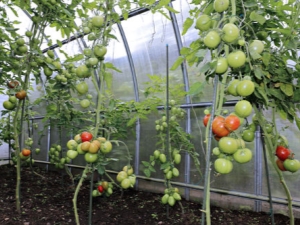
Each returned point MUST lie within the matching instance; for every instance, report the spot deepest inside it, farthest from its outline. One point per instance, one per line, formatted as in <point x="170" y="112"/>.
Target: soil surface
<point x="47" y="200"/>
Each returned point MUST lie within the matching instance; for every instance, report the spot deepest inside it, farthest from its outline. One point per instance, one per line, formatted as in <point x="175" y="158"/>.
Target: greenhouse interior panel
<point x="149" y="112"/>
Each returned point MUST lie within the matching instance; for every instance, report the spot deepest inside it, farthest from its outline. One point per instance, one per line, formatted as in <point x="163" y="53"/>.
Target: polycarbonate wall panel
<point x="147" y="36"/>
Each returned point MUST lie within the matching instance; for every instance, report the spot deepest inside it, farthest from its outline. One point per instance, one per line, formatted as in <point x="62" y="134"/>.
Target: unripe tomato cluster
<point x="86" y="145"/>
<point x="171" y="195"/>
<point x="55" y="155"/>
<point x="285" y="159"/>
<point x="104" y="188"/>
<point x="126" y="177"/>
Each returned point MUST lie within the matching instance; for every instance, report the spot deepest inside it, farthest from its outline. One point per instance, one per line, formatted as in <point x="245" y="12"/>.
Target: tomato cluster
<point x="126" y="178"/>
<point x="84" y="144"/>
<point x="285" y="160"/>
<point x="103" y="188"/>
<point x="171" y="195"/>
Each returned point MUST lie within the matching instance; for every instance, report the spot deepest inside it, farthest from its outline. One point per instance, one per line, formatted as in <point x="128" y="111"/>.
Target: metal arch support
<point x="137" y="99"/>
<point x="187" y="99"/>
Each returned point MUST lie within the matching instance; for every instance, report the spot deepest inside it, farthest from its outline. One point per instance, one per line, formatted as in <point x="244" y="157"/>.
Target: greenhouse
<point x="149" y="112"/>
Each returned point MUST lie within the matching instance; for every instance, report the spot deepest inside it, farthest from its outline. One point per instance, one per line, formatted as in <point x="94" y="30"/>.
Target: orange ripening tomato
<point x="26" y="152"/>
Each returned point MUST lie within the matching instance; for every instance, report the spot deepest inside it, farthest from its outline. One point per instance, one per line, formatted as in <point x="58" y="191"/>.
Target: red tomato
<point x="100" y="188"/>
<point x="232" y="122"/>
<point x="280" y="165"/>
<point x="218" y="127"/>
<point x="13" y="84"/>
<point x="25" y="152"/>
<point x="282" y="153"/>
<point x="205" y="119"/>
<point x="86" y="136"/>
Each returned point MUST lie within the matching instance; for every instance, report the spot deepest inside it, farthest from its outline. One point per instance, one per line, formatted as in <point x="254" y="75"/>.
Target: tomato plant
<point x="228" y="145"/>
<point x="218" y="127"/>
<point x="243" y="155"/>
<point x="203" y="22"/>
<point x="283" y="153"/>
<point x="21" y="95"/>
<point x="291" y="165"/>
<point x="280" y="165"/>
<point x="221" y="5"/>
<point x="205" y="119"/>
<point x="26" y="152"/>
<point x="212" y="39"/>
<point x="223" y="166"/>
<point x="236" y="59"/>
<point x="222" y="65"/>
<point x="245" y="88"/>
<point x="232" y="122"/>
<point x="230" y="32"/>
<point x="243" y="108"/>
<point x="86" y="136"/>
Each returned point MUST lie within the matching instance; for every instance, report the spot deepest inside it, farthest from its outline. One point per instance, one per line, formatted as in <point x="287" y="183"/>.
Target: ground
<point x="47" y="200"/>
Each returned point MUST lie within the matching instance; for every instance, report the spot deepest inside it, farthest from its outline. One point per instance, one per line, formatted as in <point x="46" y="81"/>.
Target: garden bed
<point x="48" y="201"/>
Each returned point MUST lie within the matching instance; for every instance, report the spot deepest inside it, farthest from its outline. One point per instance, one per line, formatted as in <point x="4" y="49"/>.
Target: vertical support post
<point x="208" y="154"/>
<point x="258" y="169"/>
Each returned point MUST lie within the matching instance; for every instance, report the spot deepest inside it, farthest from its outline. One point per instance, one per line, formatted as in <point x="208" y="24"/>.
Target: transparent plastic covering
<point x="139" y="51"/>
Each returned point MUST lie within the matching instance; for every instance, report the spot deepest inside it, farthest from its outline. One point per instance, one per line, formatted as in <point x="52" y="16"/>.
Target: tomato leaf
<point x="258" y="72"/>
<point x="186" y="25"/>
<point x="111" y="66"/>
<point x="145" y="163"/>
<point x="266" y="58"/>
<point x="147" y="172"/>
<point x="75" y="58"/>
<point x="171" y="9"/>
<point x="286" y="31"/>
<point x="257" y="17"/>
<point x="196" y="88"/>
<point x="254" y="55"/>
<point x="297" y="120"/>
<point x="287" y="89"/>
<point x="177" y="63"/>
<point x="260" y="92"/>
<point x="205" y="68"/>
<point x="282" y="114"/>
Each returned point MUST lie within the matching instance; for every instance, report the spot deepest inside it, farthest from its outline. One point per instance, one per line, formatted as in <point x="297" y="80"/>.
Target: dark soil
<point x="48" y="201"/>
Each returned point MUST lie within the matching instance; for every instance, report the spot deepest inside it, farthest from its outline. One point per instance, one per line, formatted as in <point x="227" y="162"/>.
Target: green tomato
<point x="20" y="41"/>
<point x="82" y="88"/>
<point x="86" y="30"/>
<point x="87" y="52"/>
<point x="171" y="201"/>
<point x="156" y="154"/>
<point x="100" y="51"/>
<point x="72" y="144"/>
<point x="47" y="71"/>
<point x="236" y="59"/>
<point x="177" y="158"/>
<point x="90" y="157"/>
<point x="93" y="61"/>
<point x="241" y="42"/>
<point x="82" y="71"/>
<point x="28" y="33"/>
<point x="228" y="145"/>
<point x="23" y="49"/>
<point x="243" y="108"/>
<point x="212" y="39"/>
<point x="292" y="165"/>
<point x="162" y="158"/>
<point x="223" y="166"/>
<point x="231" y="89"/>
<point x="126" y="183"/>
<point x="230" y="32"/>
<point x="248" y="135"/>
<point x="72" y="154"/>
<point x="12" y="99"/>
<point x="216" y="151"/>
<point x="222" y="65"/>
<point x="85" y="103"/>
<point x="106" y="147"/>
<point x="221" y="5"/>
<point x="256" y="46"/>
<point x="97" y="21"/>
<point x="165" y="198"/>
<point x="245" y="88"/>
<point x="121" y="176"/>
<point x="203" y="22"/>
<point x="8" y="105"/>
<point x="242" y="155"/>
<point x="50" y="53"/>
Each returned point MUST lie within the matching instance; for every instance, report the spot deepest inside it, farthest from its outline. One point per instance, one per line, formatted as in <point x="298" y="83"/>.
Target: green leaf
<point x="75" y="58"/>
<point x="266" y="58"/>
<point x="184" y="51"/>
<point x="145" y="163"/>
<point x="287" y="89"/>
<point x="257" y="17"/>
<point x="147" y="172"/>
<point x="205" y="68"/>
<point x="101" y="170"/>
<point x="163" y="3"/>
<point x="297" y="119"/>
<point x="151" y="168"/>
<point x="286" y="31"/>
<point x="282" y="114"/>
<point x="171" y="9"/>
<point x="201" y="53"/>
<point x="258" y="72"/>
<point x="276" y="93"/>
<point x="109" y="65"/>
<point x="260" y="92"/>
<point x="196" y="88"/>
<point x="59" y="43"/>
<point x="209" y="9"/>
<point x="186" y="25"/>
<point x="254" y="55"/>
<point x="177" y="63"/>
